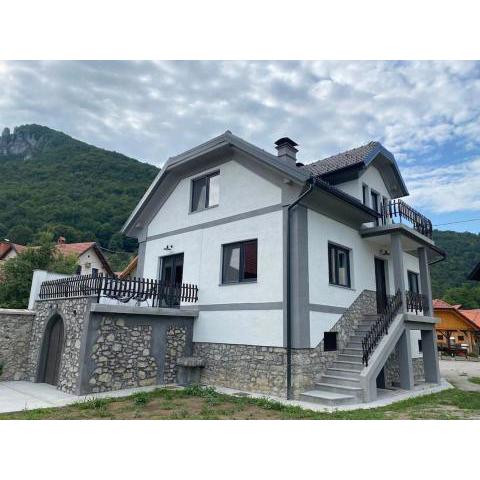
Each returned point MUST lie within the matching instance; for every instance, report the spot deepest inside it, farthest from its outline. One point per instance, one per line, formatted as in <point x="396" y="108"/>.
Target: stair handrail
<point x="380" y="327"/>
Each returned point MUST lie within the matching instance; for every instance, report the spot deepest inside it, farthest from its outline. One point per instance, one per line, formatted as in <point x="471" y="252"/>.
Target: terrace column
<point x="398" y="267"/>
<point x="405" y="361"/>
<point x="430" y="356"/>
<point x="425" y="283"/>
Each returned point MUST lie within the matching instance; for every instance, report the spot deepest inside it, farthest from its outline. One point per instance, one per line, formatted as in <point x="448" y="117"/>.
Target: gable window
<point x="413" y="282"/>
<point x="205" y="192"/>
<point x="375" y="203"/>
<point x="461" y="338"/>
<point x="94" y="272"/>
<point x="239" y="262"/>
<point x="365" y="194"/>
<point x="339" y="265"/>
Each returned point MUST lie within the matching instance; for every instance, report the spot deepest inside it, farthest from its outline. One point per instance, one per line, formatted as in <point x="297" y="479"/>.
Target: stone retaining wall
<point x="392" y="370"/>
<point x="75" y="313"/>
<point x="15" y="334"/>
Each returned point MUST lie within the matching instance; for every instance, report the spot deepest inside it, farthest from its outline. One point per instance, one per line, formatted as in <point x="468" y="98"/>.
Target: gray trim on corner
<point x="141" y="259"/>
<point x="218" y="307"/>
<point x="315" y="307"/>
<point x="220" y="221"/>
<point x="299" y="284"/>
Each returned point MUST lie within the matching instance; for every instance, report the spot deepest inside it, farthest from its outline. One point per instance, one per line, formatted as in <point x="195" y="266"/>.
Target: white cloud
<point x="445" y="189"/>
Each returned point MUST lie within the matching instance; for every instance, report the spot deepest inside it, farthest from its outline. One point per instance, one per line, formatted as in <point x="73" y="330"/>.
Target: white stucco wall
<point x="319" y="324"/>
<point x="241" y="191"/>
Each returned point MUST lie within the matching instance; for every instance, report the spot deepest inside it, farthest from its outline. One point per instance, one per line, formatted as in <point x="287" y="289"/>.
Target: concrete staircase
<point x="340" y="384"/>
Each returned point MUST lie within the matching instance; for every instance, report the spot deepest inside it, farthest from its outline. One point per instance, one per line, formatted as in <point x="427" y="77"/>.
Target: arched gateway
<point x="52" y="351"/>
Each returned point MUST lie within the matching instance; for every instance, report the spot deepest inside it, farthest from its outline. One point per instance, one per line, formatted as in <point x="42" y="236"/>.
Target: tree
<point x="20" y="234"/>
<point x="16" y="273"/>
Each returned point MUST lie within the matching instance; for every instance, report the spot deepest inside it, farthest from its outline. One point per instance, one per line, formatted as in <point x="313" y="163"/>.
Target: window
<point x="205" y="192"/>
<point x="461" y="338"/>
<point x="339" y="265"/>
<point x="439" y="337"/>
<point x="239" y="262"/>
<point x="413" y="282"/>
<point x="94" y="272"/>
<point x="420" y="345"/>
<point x="365" y="194"/>
<point x="375" y="203"/>
<point x="79" y="270"/>
<point x="329" y="341"/>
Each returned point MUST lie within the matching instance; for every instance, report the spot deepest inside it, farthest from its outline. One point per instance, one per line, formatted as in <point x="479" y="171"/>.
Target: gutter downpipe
<point x="311" y="183"/>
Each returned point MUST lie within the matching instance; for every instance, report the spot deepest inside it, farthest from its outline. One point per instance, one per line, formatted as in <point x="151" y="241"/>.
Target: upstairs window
<point x="339" y="265"/>
<point x="413" y="282"/>
<point x="365" y="194"/>
<point x="205" y="192"/>
<point x="239" y="262"/>
<point x="375" y="203"/>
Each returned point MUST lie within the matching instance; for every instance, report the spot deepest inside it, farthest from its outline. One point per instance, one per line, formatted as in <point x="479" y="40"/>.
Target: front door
<point x="381" y="284"/>
<point x="171" y="275"/>
<point x="54" y="346"/>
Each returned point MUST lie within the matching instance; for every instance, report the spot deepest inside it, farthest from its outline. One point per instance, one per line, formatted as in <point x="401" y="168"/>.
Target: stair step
<point x="356" y="358"/>
<point x="327" y="398"/>
<point x="343" y="372"/>
<point x="349" y="365"/>
<point x="352" y="351"/>
<point x="343" y="389"/>
<point x="338" y="380"/>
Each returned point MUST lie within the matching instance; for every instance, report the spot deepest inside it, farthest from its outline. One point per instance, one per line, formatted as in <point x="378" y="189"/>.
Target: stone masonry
<point x="392" y="371"/>
<point x="175" y="348"/>
<point x="263" y="369"/>
<point x="122" y="355"/>
<point x="74" y="312"/>
<point x="15" y="334"/>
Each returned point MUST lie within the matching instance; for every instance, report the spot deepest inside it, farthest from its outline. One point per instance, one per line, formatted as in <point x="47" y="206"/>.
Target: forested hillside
<point x="449" y="278"/>
<point x="50" y="181"/>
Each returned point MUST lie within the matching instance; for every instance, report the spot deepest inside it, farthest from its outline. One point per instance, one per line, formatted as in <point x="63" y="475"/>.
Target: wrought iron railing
<point x="380" y="327"/>
<point x="415" y="301"/>
<point x="398" y="209"/>
<point x="154" y="292"/>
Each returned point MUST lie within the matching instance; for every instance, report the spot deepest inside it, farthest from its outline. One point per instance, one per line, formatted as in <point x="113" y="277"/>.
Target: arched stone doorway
<point x="52" y="351"/>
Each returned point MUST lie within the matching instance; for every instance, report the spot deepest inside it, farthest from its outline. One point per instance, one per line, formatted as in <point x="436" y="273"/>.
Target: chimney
<point x="61" y="240"/>
<point x="286" y="150"/>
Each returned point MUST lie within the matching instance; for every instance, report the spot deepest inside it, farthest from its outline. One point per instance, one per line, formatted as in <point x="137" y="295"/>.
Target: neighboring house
<point x="457" y="326"/>
<point x="130" y="270"/>
<point x="91" y="260"/>
<point x="292" y="263"/>
<point x="475" y="273"/>
<point x="10" y="250"/>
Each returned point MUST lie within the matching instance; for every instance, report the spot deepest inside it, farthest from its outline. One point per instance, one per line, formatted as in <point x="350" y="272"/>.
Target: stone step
<point x="353" y="351"/>
<point x="356" y="338"/>
<point x="343" y="372"/>
<point x="338" y="380"/>
<point x="361" y="331"/>
<point x="348" y="365"/>
<point x="327" y="398"/>
<point x="342" y="389"/>
<point x="356" y="358"/>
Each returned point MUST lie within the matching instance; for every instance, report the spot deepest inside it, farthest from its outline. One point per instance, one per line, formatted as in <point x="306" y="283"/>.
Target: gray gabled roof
<point x="298" y="174"/>
<point x="341" y="160"/>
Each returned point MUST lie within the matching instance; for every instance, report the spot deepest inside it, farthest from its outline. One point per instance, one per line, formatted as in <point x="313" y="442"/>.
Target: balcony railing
<point x="137" y="290"/>
<point x="398" y="210"/>
<point x="415" y="301"/>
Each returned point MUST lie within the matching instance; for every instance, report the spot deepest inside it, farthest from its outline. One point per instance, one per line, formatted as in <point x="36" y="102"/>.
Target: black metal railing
<point x="415" y="301"/>
<point x="154" y="292"/>
<point x="380" y="327"/>
<point x="398" y="209"/>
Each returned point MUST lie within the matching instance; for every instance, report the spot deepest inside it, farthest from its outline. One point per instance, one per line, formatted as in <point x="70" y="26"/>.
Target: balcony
<point x="134" y="292"/>
<point x="397" y="211"/>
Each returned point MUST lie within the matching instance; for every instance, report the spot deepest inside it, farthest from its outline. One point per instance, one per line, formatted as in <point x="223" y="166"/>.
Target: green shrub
<point x="141" y="398"/>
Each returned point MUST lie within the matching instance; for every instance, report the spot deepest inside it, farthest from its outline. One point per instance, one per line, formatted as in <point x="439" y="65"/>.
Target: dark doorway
<point x="171" y="274"/>
<point x="381" y="284"/>
<point x="53" y="347"/>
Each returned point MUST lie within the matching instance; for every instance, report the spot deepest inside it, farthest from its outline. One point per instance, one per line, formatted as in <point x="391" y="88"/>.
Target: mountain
<point x="52" y="181"/>
<point x="449" y="278"/>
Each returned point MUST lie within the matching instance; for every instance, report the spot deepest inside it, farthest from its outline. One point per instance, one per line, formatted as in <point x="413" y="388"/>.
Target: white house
<point x="311" y="278"/>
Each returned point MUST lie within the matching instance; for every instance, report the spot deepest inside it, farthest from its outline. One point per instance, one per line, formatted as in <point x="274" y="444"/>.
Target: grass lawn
<point x="206" y="404"/>
<point x="474" y="380"/>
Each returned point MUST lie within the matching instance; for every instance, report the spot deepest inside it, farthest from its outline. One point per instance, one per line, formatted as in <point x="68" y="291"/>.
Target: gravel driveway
<point x="457" y="372"/>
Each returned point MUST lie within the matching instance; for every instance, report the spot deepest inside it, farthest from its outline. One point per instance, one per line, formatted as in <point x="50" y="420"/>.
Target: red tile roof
<point x="74" y="248"/>
<point x="473" y="315"/>
<point x="442" y="304"/>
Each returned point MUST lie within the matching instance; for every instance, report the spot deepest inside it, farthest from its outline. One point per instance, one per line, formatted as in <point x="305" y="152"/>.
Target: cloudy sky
<point x="426" y="113"/>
